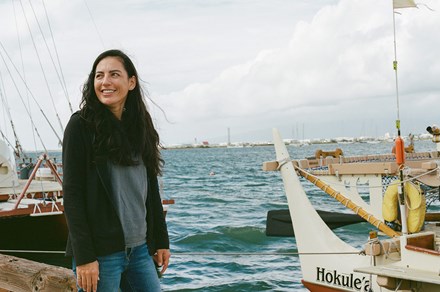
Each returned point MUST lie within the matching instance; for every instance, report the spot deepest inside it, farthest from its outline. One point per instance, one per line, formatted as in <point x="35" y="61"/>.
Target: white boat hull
<point x="8" y="173"/>
<point x="327" y="262"/>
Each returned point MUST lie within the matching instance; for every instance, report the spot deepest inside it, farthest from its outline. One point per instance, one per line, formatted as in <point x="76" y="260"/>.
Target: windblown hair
<point x="122" y="142"/>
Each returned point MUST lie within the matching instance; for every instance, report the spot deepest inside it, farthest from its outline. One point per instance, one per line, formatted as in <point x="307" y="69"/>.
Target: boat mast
<point x="396" y="5"/>
<point x="399" y="145"/>
<point x="395" y="73"/>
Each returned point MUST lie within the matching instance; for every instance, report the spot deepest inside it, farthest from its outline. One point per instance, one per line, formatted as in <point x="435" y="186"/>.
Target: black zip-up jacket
<point x="94" y="226"/>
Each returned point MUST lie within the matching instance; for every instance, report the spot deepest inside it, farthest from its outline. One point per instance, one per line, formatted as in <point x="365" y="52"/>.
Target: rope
<point x="6" y="139"/>
<point x="350" y="204"/>
<point x="258" y="253"/>
<point x="407" y="201"/>
<point x="94" y="23"/>
<point x="282" y="162"/>
<point x="21" y="98"/>
<point x="4" y="98"/>
<point x="42" y="70"/>
<point x="60" y="77"/>
<point x="24" y="75"/>
<point x="177" y="254"/>
<point x="374" y="186"/>
<point x="422" y="174"/>
<point x="388" y="251"/>
<point x="33" y="97"/>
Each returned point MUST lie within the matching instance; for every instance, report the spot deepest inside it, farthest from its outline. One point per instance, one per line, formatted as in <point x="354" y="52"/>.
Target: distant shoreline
<point x="293" y="142"/>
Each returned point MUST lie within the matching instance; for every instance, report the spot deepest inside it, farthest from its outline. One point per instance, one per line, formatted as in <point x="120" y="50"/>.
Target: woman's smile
<point x="112" y="84"/>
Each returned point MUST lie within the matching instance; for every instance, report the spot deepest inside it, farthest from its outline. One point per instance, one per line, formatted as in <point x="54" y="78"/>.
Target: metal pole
<point x="31" y="177"/>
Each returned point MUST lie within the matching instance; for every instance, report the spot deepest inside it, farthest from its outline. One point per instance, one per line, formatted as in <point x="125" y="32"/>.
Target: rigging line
<point x="29" y="90"/>
<point x="423" y="4"/>
<point x="22" y="67"/>
<point x="395" y="70"/>
<point x="6" y="139"/>
<point x="258" y="253"/>
<point x="4" y="122"/>
<point x="19" y="45"/>
<point x="206" y="253"/>
<point x="42" y="69"/>
<point x="24" y="104"/>
<point x="375" y="186"/>
<point x="58" y="58"/>
<point x="94" y="24"/>
<point x="50" y="54"/>
<point x="19" y="42"/>
<point x="17" y="149"/>
<point x="24" y="71"/>
<point x="3" y="99"/>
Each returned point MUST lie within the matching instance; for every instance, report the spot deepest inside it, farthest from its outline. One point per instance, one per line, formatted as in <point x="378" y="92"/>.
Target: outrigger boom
<point x="370" y="218"/>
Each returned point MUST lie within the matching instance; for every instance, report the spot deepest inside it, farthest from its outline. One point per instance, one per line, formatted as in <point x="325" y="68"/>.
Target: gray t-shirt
<point x="129" y="185"/>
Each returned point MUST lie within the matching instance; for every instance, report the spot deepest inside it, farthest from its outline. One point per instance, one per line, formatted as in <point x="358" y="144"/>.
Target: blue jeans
<point x="129" y="270"/>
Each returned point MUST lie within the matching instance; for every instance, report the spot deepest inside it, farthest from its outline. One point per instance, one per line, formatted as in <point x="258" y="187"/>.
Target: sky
<point x="312" y="69"/>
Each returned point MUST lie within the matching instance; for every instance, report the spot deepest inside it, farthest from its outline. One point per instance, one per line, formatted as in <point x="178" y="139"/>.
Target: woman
<point x="111" y="161"/>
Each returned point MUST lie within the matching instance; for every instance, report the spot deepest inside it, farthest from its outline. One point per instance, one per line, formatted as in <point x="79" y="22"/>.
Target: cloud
<point x="249" y="65"/>
<point x="342" y="56"/>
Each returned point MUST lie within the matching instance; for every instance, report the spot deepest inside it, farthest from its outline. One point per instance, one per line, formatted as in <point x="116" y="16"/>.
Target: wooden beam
<point x="432" y="217"/>
<point x="270" y="165"/>
<point x="349" y="204"/>
<point x="364" y="168"/>
<point x="21" y="275"/>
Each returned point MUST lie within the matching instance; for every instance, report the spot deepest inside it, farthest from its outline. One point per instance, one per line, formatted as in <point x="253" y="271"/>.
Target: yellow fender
<point x="390" y="204"/>
<point x="415" y="205"/>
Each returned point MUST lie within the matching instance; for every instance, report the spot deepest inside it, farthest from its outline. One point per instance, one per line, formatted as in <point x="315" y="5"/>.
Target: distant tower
<point x="229" y="136"/>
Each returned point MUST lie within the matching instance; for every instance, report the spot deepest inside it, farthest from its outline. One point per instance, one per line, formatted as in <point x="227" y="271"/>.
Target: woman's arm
<point x="162" y="259"/>
<point x="160" y="227"/>
<point x="75" y="190"/>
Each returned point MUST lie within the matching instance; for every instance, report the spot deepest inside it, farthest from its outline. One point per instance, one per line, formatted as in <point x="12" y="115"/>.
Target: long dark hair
<point x="121" y="141"/>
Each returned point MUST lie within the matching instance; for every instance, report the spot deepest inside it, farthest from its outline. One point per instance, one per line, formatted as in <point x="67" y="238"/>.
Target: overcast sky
<point x="320" y="68"/>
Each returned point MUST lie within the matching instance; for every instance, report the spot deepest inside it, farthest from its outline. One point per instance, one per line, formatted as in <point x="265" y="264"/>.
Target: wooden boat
<point x="362" y="179"/>
<point x="405" y="261"/>
<point x="32" y="218"/>
<point x="395" y="185"/>
<point x="31" y="211"/>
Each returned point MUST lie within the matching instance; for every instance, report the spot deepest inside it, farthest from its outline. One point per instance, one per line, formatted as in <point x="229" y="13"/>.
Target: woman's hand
<point x="162" y="259"/>
<point x="88" y="276"/>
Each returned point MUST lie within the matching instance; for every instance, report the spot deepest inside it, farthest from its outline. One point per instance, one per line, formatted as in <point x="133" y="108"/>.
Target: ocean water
<point x="217" y="224"/>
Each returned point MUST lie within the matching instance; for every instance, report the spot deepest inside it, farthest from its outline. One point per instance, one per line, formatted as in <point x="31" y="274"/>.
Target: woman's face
<point x="112" y="84"/>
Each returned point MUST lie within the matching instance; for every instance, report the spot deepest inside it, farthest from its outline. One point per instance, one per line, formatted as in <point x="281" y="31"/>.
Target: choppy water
<point x="226" y="213"/>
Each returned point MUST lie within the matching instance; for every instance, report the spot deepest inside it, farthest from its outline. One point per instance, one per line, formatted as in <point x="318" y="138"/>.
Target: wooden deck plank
<point x="400" y="272"/>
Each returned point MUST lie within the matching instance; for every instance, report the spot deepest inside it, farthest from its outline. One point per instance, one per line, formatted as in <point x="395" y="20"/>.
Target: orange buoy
<point x="400" y="151"/>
